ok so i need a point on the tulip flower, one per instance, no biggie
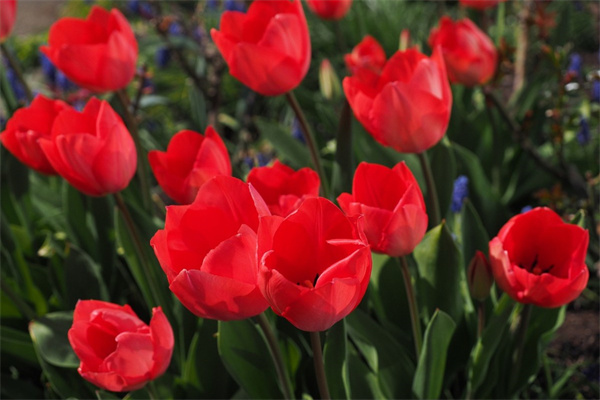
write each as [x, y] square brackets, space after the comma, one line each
[92, 150]
[315, 264]
[470, 55]
[366, 60]
[392, 204]
[208, 250]
[408, 106]
[26, 127]
[282, 188]
[539, 259]
[117, 350]
[190, 160]
[98, 53]
[8, 14]
[267, 48]
[330, 9]
[480, 4]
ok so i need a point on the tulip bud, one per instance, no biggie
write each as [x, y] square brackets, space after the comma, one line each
[404, 40]
[329, 82]
[479, 276]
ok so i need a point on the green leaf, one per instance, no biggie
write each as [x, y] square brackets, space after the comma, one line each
[486, 346]
[288, 148]
[443, 167]
[474, 235]
[335, 355]
[49, 336]
[15, 343]
[392, 358]
[246, 356]
[197, 108]
[77, 219]
[429, 375]
[364, 383]
[579, 219]
[441, 276]
[83, 278]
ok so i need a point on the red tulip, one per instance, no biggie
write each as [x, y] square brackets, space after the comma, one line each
[268, 48]
[330, 9]
[117, 350]
[366, 60]
[208, 250]
[27, 126]
[408, 106]
[469, 53]
[98, 53]
[392, 204]
[315, 265]
[282, 188]
[8, 14]
[539, 259]
[190, 160]
[480, 4]
[92, 150]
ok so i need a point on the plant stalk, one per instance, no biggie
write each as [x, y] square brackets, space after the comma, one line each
[520, 345]
[315, 342]
[412, 307]
[282, 374]
[310, 141]
[142, 156]
[14, 65]
[20, 304]
[431, 190]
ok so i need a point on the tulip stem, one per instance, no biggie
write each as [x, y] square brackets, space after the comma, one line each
[20, 304]
[431, 190]
[142, 156]
[282, 374]
[520, 336]
[412, 307]
[480, 318]
[140, 250]
[14, 65]
[309, 137]
[315, 341]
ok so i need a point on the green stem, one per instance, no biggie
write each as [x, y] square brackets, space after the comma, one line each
[14, 65]
[20, 304]
[142, 156]
[480, 318]
[412, 307]
[310, 141]
[282, 374]
[431, 190]
[343, 153]
[520, 345]
[315, 341]
[140, 250]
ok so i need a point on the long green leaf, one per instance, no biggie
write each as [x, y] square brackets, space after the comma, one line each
[335, 356]
[429, 375]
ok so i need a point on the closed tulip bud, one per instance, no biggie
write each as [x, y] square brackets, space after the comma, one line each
[479, 276]
[26, 127]
[190, 160]
[480, 4]
[8, 14]
[329, 82]
[330, 9]
[282, 188]
[98, 53]
[267, 48]
[469, 54]
[92, 149]
[118, 351]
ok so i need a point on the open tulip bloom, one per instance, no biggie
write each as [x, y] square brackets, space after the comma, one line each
[539, 259]
[118, 351]
[314, 265]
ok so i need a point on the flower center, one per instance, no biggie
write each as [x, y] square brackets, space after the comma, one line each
[535, 269]
[309, 284]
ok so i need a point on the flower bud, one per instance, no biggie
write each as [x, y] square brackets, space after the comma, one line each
[479, 276]
[329, 82]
